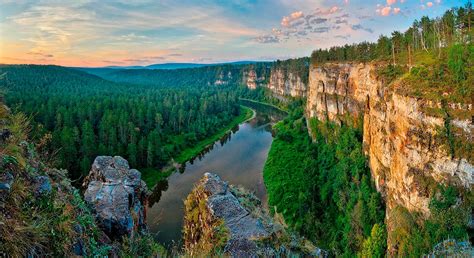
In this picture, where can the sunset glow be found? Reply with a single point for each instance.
(104, 33)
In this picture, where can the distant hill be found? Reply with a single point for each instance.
(172, 66)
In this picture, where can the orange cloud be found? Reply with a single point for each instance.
(384, 11)
(390, 2)
(286, 21)
(429, 4)
(396, 10)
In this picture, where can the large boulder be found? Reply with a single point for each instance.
(117, 196)
(222, 218)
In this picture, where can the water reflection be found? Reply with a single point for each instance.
(237, 157)
(155, 196)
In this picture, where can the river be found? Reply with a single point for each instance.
(238, 158)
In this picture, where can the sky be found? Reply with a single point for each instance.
(125, 32)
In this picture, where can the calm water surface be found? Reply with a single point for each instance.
(238, 158)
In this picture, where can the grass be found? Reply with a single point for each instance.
(152, 176)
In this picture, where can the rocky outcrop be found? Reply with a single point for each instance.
(117, 196)
(251, 79)
(406, 147)
(223, 79)
(214, 206)
(280, 82)
(286, 84)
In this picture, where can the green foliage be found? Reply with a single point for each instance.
(439, 52)
(141, 246)
(323, 189)
(450, 211)
(376, 244)
(296, 66)
(448, 77)
(457, 62)
(54, 223)
(203, 234)
(425, 35)
(390, 72)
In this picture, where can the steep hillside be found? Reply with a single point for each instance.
(412, 96)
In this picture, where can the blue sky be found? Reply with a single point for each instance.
(100, 33)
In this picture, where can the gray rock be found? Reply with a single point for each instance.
(117, 195)
(6, 181)
(252, 233)
(42, 185)
(244, 229)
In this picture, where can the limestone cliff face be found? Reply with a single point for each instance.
(404, 145)
(286, 84)
(280, 82)
(250, 79)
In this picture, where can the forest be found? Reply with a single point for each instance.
(323, 187)
(426, 34)
(84, 116)
(193, 77)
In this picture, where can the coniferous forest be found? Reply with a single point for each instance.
(86, 116)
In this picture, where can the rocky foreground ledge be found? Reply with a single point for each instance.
(117, 196)
(222, 219)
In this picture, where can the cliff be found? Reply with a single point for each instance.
(283, 79)
(409, 149)
(283, 83)
(222, 219)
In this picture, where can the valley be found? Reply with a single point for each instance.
(359, 150)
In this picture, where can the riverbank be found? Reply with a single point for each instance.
(264, 103)
(151, 176)
(246, 114)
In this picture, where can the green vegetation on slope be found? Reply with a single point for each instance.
(414, 236)
(324, 189)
